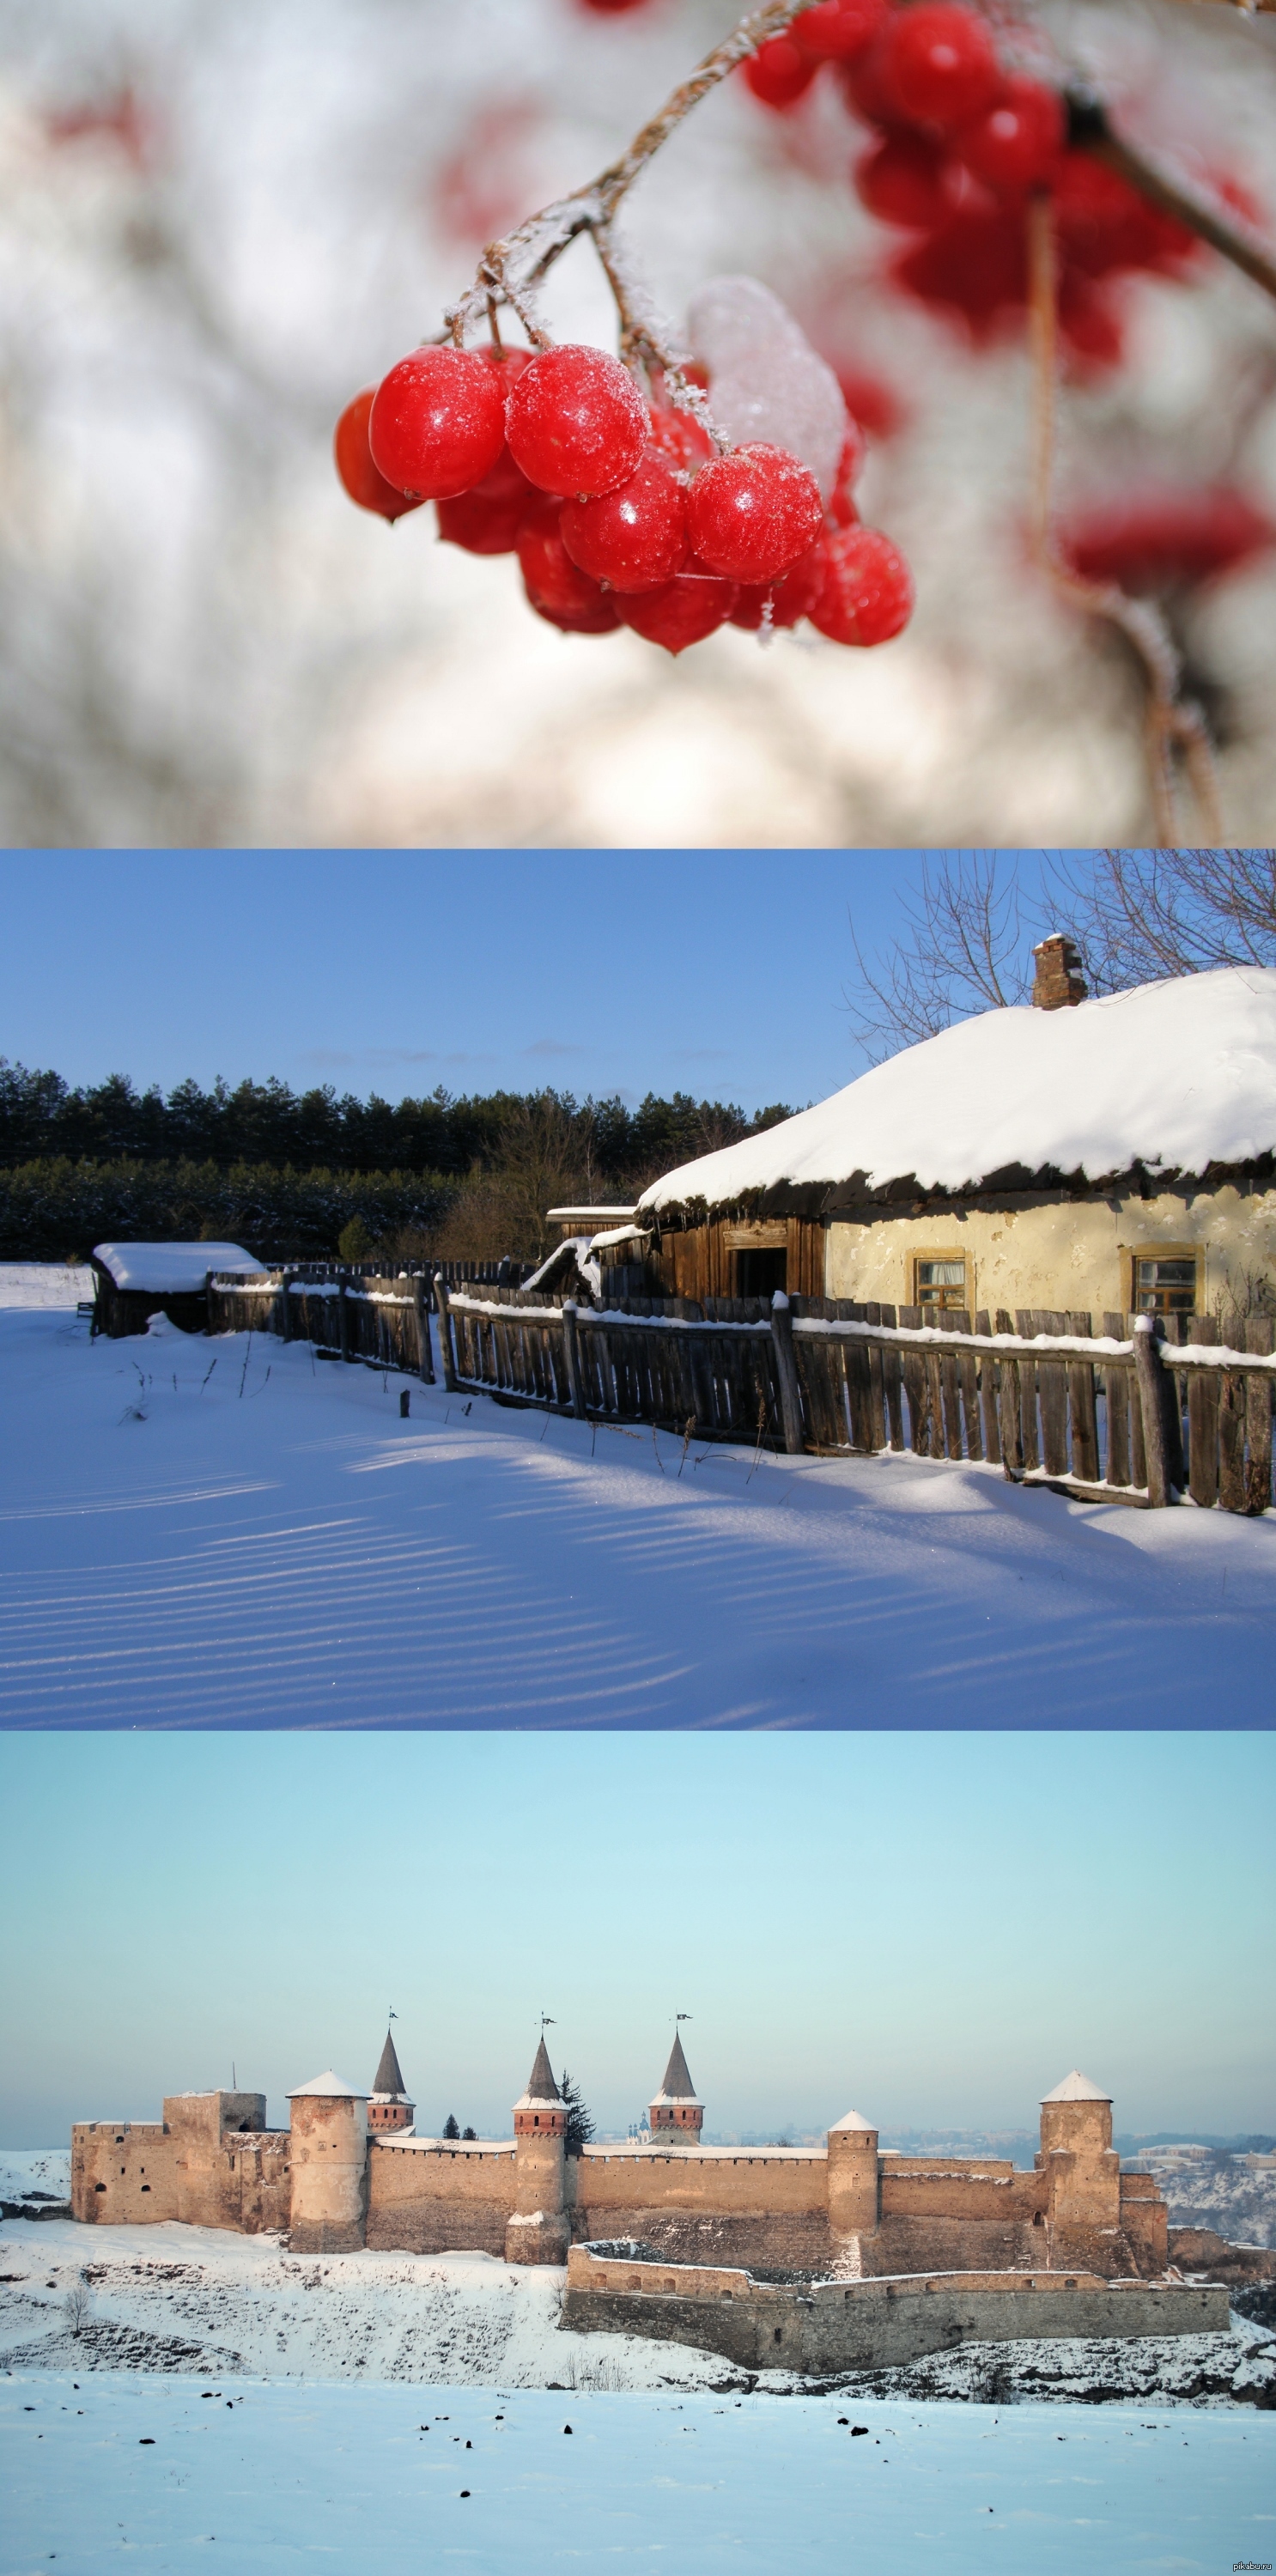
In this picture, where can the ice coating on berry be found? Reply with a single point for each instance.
(752, 513)
(694, 604)
(437, 423)
(634, 538)
(353, 458)
(867, 592)
(766, 382)
(576, 422)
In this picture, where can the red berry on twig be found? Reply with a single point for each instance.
(752, 513)
(867, 591)
(355, 467)
(901, 180)
(576, 422)
(438, 422)
(779, 72)
(688, 608)
(1015, 144)
(791, 597)
(837, 30)
(680, 439)
(940, 63)
(555, 586)
(486, 519)
(634, 538)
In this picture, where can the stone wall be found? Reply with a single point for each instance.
(437, 2199)
(210, 2162)
(866, 2325)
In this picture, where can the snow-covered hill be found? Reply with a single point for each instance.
(200, 2300)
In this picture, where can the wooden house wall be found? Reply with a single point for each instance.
(700, 1262)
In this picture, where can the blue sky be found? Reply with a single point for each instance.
(720, 973)
(933, 1929)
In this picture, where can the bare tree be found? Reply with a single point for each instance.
(966, 948)
(77, 2304)
(1138, 915)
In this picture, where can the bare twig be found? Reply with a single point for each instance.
(1089, 128)
(1172, 723)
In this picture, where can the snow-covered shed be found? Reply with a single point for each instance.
(133, 1281)
(1106, 1155)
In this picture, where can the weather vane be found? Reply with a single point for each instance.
(684, 2016)
(548, 2022)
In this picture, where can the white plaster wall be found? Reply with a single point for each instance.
(1066, 1254)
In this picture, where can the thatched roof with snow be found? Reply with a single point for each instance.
(1175, 1078)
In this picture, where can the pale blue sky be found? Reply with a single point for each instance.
(930, 1928)
(721, 972)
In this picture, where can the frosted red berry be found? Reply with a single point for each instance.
(634, 538)
(940, 64)
(867, 92)
(752, 513)
(576, 422)
(781, 603)
(486, 519)
(354, 463)
(902, 180)
(779, 72)
(867, 592)
(837, 30)
(599, 617)
(1015, 145)
(694, 604)
(679, 438)
(438, 422)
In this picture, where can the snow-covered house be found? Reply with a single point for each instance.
(133, 1281)
(1110, 1156)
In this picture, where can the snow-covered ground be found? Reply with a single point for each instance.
(235, 1533)
(119, 2467)
(201, 2299)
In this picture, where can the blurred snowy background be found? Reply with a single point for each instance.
(216, 223)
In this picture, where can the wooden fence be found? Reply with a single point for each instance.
(1146, 1410)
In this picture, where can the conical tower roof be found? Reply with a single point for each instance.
(677, 2086)
(541, 2088)
(388, 2079)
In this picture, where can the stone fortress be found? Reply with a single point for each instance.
(830, 2253)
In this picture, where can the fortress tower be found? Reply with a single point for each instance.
(538, 2230)
(389, 2106)
(1082, 2168)
(329, 2166)
(853, 2187)
(677, 2113)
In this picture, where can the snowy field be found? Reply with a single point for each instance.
(199, 2300)
(127, 2469)
(233, 1533)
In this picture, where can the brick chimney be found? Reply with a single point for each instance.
(1059, 982)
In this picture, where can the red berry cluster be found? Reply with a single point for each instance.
(619, 510)
(960, 145)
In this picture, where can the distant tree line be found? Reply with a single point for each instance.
(286, 1174)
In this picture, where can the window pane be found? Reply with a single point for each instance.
(941, 1274)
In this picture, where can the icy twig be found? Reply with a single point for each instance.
(1172, 722)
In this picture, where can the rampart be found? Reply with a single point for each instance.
(427, 2196)
(831, 2326)
(210, 2162)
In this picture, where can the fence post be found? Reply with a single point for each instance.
(786, 1371)
(343, 1320)
(285, 1306)
(424, 1354)
(208, 1300)
(446, 1360)
(571, 1346)
(1149, 1375)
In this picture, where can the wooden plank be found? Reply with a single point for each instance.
(1258, 1417)
(343, 1320)
(1026, 1325)
(1204, 1389)
(446, 1360)
(987, 1369)
(1082, 1409)
(876, 1389)
(1053, 1380)
(787, 1375)
(968, 1381)
(1010, 1404)
(1149, 1374)
(859, 1393)
(916, 1387)
(1116, 1399)
(893, 1384)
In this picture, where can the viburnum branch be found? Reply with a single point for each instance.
(1171, 722)
(1090, 130)
(511, 268)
